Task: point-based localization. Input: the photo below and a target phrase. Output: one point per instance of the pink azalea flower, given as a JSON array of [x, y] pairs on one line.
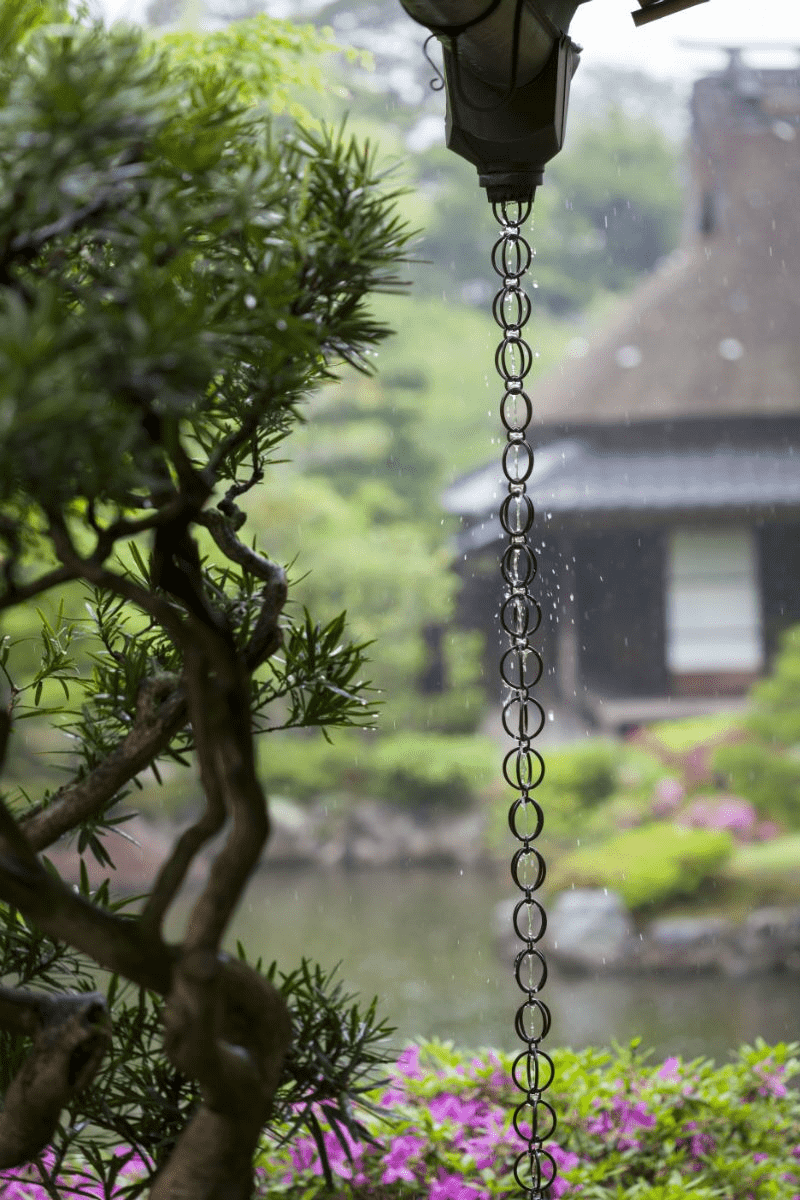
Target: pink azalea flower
[[669, 1068], [341, 1163], [773, 1084], [702, 1144], [447, 1107], [566, 1160], [482, 1151], [303, 1154], [633, 1116], [450, 1187], [601, 1125], [408, 1064], [402, 1151]]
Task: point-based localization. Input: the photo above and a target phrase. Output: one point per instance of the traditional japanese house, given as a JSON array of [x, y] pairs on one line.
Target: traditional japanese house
[[667, 479]]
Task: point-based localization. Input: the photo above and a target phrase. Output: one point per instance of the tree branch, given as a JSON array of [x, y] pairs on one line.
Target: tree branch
[[71, 1033], [18, 593], [173, 872], [228, 768], [235, 1050], [265, 637], [160, 713], [114, 942]]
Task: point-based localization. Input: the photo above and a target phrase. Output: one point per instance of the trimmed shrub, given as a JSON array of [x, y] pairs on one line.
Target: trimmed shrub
[[426, 770], [413, 770], [587, 772], [646, 865]]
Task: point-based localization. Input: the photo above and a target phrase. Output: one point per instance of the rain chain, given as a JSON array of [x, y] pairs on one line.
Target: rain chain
[[523, 715]]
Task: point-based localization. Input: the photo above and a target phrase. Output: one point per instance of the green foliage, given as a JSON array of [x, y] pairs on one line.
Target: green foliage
[[609, 209], [766, 768], [587, 771], [423, 771], [646, 865], [416, 770], [156, 312], [360, 551], [765, 776], [691, 732], [765, 872], [275, 62], [775, 714]]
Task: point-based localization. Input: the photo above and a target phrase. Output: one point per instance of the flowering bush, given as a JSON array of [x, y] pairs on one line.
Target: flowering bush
[[732, 813], [668, 795], [440, 1129]]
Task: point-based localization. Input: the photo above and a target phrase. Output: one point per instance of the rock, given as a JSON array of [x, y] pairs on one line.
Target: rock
[[686, 944], [590, 931], [589, 928], [294, 836], [769, 940]]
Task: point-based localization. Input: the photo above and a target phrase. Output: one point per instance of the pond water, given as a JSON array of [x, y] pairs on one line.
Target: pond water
[[422, 940]]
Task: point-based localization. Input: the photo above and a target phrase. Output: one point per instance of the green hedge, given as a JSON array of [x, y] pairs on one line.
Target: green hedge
[[414, 770], [587, 772], [647, 865]]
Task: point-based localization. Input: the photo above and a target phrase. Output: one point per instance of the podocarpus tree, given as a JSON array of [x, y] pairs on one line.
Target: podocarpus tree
[[174, 277]]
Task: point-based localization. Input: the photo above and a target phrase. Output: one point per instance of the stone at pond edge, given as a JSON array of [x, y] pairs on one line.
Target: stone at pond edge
[[590, 931], [372, 834], [589, 928]]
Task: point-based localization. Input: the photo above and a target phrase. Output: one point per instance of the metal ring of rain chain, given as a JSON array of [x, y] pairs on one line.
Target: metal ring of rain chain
[[523, 716]]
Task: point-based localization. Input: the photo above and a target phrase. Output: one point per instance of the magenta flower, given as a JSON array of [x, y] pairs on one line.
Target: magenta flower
[[408, 1064], [447, 1107], [633, 1116], [669, 1068], [451, 1187], [701, 1144], [482, 1150], [668, 795], [566, 1160], [342, 1163], [403, 1149], [722, 812], [303, 1154], [772, 1084], [601, 1125]]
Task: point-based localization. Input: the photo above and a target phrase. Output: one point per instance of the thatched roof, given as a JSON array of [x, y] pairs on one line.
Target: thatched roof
[[716, 332]]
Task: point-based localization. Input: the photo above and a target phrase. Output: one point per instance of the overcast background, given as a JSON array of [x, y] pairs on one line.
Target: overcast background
[[605, 29]]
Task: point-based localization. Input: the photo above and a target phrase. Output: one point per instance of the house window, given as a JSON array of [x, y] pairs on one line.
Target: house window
[[713, 609]]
